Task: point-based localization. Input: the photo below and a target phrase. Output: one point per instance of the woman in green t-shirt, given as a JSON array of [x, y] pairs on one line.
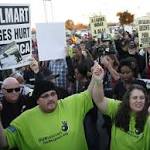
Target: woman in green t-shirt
[[131, 122]]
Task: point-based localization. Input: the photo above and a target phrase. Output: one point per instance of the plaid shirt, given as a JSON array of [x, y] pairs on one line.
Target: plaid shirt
[[59, 66]]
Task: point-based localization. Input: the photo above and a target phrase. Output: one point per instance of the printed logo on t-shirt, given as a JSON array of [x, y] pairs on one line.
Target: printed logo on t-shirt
[[135, 133], [64, 126], [57, 136], [11, 129]]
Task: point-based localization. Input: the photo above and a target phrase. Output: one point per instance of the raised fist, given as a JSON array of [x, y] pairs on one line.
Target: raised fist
[[34, 65], [98, 72]]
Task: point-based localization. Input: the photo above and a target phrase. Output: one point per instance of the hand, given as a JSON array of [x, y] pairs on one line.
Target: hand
[[105, 61], [98, 73], [34, 66]]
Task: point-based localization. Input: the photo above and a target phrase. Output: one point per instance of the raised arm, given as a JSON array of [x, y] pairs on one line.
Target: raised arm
[[115, 75], [38, 74], [34, 65], [92, 82], [98, 91]]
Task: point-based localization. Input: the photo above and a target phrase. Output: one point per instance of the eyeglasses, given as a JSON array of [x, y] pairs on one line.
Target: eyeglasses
[[48, 95], [11, 90]]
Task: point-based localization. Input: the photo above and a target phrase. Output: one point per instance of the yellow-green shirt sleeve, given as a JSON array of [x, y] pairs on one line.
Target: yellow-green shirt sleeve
[[112, 107]]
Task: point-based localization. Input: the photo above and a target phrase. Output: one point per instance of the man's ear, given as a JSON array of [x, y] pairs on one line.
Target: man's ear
[[1, 107], [37, 102], [3, 91]]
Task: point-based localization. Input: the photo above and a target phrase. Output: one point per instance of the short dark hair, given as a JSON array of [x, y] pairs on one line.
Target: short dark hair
[[41, 87], [130, 62]]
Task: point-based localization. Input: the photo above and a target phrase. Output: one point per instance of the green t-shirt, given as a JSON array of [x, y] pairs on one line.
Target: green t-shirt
[[131, 140], [61, 129], [70, 51]]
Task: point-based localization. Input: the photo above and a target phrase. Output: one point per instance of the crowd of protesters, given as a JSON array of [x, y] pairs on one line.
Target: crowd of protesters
[[124, 67]]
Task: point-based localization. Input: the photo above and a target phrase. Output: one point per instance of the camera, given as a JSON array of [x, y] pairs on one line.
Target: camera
[[105, 49], [106, 45]]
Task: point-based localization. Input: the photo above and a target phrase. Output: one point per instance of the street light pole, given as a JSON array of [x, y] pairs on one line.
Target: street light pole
[[45, 10], [52, 12]]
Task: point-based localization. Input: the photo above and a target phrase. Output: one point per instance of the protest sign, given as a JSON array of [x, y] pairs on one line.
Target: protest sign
[[51, 40], [15, 36], [147, 81], [98, 25], [144, 31], [128, 28]]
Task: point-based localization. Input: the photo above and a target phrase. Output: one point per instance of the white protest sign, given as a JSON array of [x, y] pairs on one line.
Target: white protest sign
[[98, 25], [144, 31], [15, 36], [128, 28], [51, 41], [147, 81]]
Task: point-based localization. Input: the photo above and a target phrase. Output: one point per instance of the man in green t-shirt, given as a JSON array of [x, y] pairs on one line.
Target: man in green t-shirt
[[131, 121], [53, 124]]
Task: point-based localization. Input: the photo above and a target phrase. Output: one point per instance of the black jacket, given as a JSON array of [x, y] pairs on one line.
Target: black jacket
[[11, 110]]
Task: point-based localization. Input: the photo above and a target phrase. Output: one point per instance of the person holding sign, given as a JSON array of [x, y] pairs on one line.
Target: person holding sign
[[131, 122]]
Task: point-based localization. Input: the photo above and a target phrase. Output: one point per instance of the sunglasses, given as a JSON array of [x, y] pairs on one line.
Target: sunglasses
[[11, 90], [48, 95]]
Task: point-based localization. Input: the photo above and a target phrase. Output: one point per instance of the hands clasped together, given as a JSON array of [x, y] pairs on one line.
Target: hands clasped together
[[97, 73]]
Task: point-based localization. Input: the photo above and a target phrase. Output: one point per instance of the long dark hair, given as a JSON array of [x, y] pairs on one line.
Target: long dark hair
[[122, 118]]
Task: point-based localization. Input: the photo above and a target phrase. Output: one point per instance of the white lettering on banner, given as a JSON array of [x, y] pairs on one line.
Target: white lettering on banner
[[14, 15], [15, 35], [20, 33], [5, 34], [24, 47]]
